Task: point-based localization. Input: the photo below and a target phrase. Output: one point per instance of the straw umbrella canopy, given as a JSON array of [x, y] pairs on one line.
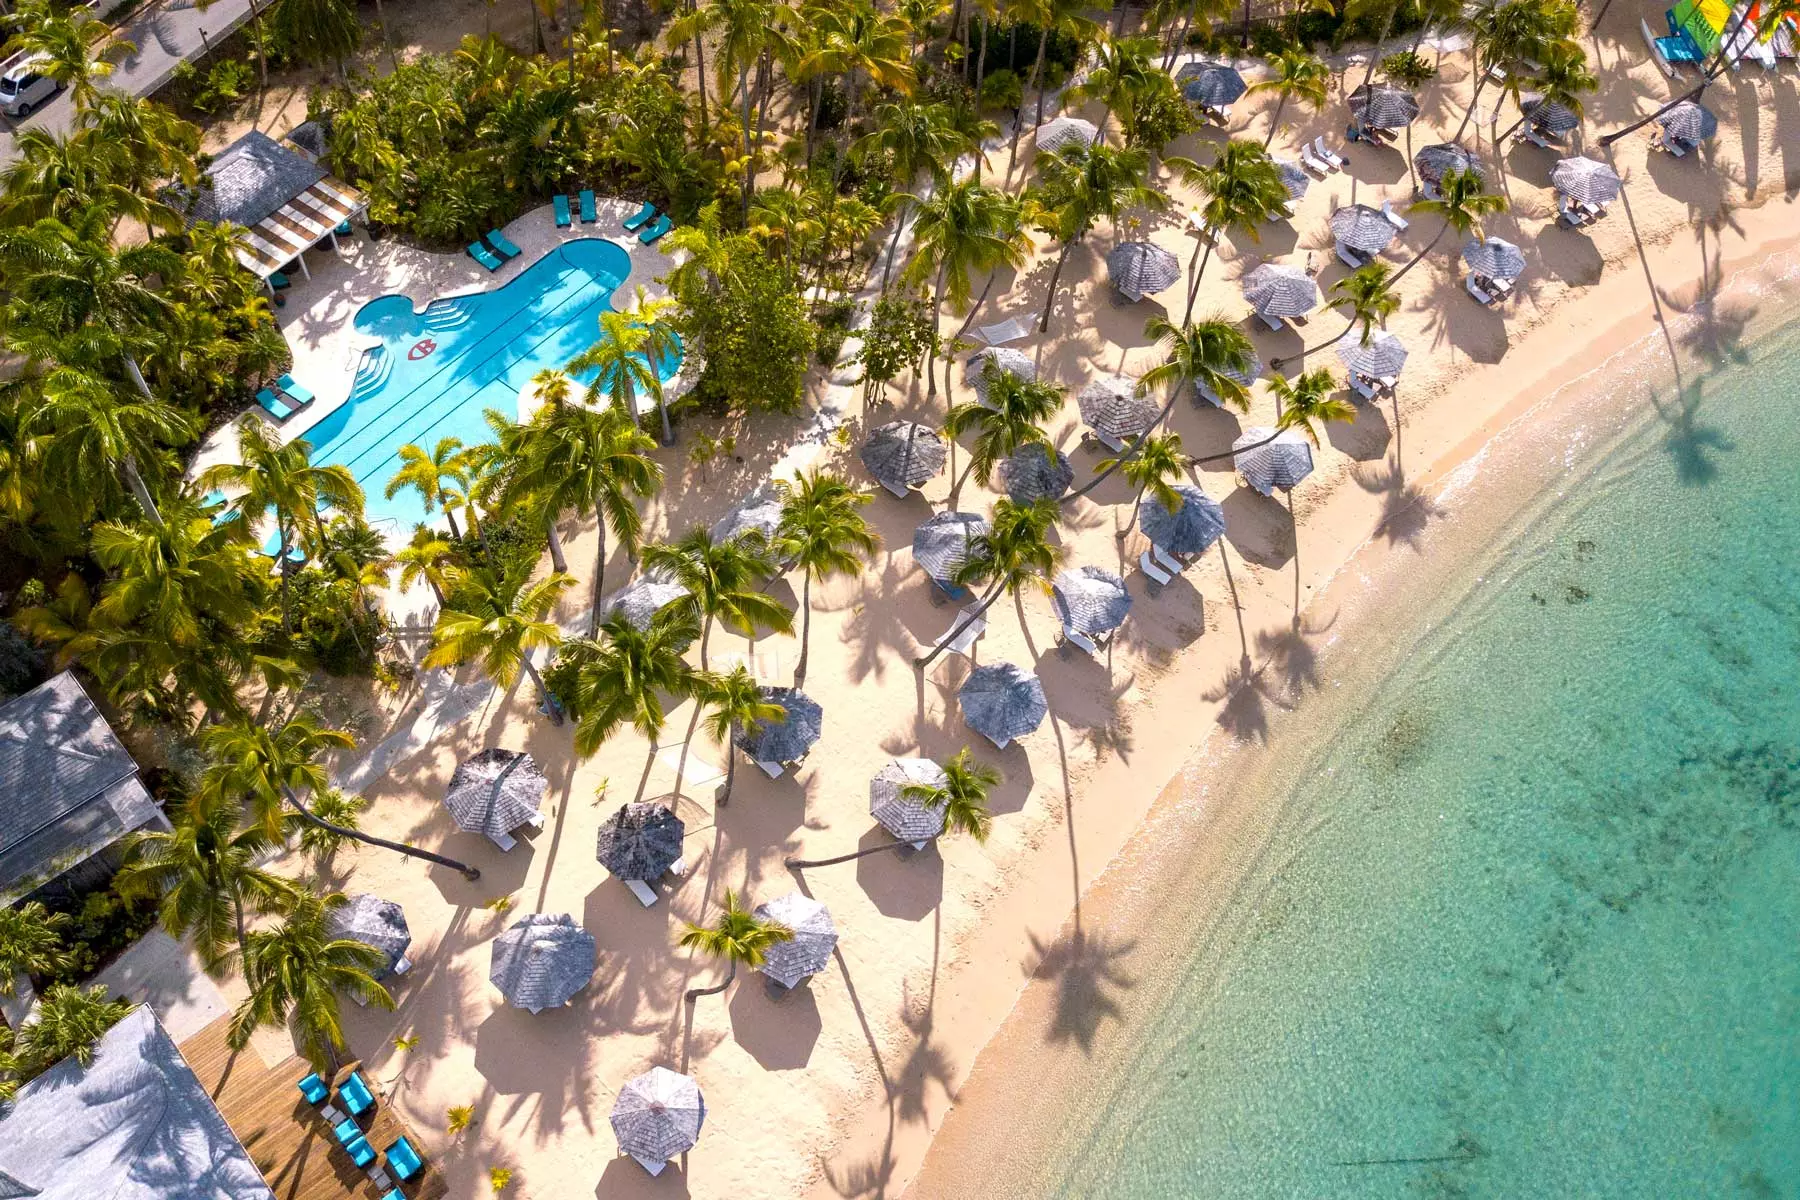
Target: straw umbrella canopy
[[1247, 376], [1267, 465], [941, 544], [1383, 107], [1548, 115], [1211, 84], [1113, 409], [542, 961], [1036, 473], [658, 1115], [906, 818], [1293, 177], [815, 937], [640, 600], [1494, 258], [902, 454], [1382, 357], [1585, 181], [1090, 600], [1003, 361], [1139, 269], [1689, 122], [788, 739], [495, 791], [640, 841], [1002, 702], [1279, 291], [369, 919], [1363, 229], [1439, 159], [1066, 131], [757, 513], [1190, 529]]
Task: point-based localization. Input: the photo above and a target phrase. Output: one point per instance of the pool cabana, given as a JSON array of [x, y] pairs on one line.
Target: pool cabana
[[286, 203]]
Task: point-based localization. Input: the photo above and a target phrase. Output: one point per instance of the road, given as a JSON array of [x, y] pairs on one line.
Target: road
[[166, 32]]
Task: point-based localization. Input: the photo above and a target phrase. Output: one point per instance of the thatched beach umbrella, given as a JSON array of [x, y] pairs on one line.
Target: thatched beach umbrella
[[542, 961], [1267, 465], [1279, 291], [374, 922], [1548, 115], [1002, 702], [1113, 409], [1362, 228], [1193, 527], [985, 364], [495, 791], [815, 937], [1064, 132], [1382, 358], [1140, 269], [657, 1117], [640, 841], [1688, 123], [1247, 376], [1036, 472], [1585, 181], [788, 739], [1092, 601], [1494, 258], [900, 815], [640, 600], [1438, 160], [902, 455], [1293, 177], [941, 544], [1213, 85], [759, 513], [1380, 106]]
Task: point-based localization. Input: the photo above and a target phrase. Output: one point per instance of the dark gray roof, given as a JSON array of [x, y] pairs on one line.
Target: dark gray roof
[[941, 543], [1139, 269], [1689, 122], [1281, 463], [815, 937], [1433, 162], [1113, 409], [1362, 228], [1190, 529], [1293, 177], [252, 178], [309, 138], [1495, 258], [1212, 84], [1036, 472], [542, 961], [640, 600], [903, 816], [1585, 180], [1383, 356], [658, 1115], [904, 454], [134, 1124], [1279, 291], [1002, 702], [374, 922], [999, 360], [1383, 107], [1090, 600], [757, 513], [1066, 131], [1547, 114], [68, 788], [640, 841], [788, 739], [495, 791]]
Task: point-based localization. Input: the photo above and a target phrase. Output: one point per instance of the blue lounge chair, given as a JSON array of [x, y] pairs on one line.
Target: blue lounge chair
[[361, 1153], [312, 1087], [561, 203], [278, 281], [484, 256], [659, 227], [396, 1194], [347, 1131], [294, 391], [355, 1094], [403, 1160], [588, 215], [498, 241], [641, 218], [275, 406]]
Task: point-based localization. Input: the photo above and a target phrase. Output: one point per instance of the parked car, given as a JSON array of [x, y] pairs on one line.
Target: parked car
[[24, 88]]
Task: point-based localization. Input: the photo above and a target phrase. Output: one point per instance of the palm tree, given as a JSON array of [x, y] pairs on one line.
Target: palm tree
[[70, 1021], [30, 943], [823, 533], [721, 579], [737, 937], [1311, 398], [910, 137], [1296, 74], [744, 31], [1158, 460], [1012, 417], [297, 971], [1561, 78], [963, 229], [205, 875], [318, 31], [507, 619], [83, 420], [623, 677], [1067, 17], [428, 557], [429, 475], [183, 580], [1078, 186], [1505, 32], [628, 358], [854, 40], [1014, 552], [1463, 199], [78, 48], [1366, 296], [962, 797], [733, 702], [266, 767], [342, 817], [1243, 190], [1121, 76]]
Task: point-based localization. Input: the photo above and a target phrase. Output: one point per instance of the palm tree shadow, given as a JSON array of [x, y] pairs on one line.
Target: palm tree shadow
[[1291, 652], [1243, 713], [1405, 507], [1086, 968], [1692, 445]]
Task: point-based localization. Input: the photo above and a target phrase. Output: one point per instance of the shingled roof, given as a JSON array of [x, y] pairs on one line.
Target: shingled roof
[[251, 179]]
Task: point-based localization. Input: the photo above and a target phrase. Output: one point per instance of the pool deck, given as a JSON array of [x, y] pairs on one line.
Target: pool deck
[[318, 319]]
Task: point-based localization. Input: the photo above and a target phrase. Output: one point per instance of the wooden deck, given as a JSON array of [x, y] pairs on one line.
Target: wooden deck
[[287, 1139]]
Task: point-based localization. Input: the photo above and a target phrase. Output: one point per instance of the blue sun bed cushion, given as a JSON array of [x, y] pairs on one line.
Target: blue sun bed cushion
[[640, 218], [355, 1094], [588, 215], [661, 226], [361, 1153], [561, 203], [499, 241], [403, 1160], [312, 1087], [484, 256], [347, 1131], [274, 405], [294, 391]]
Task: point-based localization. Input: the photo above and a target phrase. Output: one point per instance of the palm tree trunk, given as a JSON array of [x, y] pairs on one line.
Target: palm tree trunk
[[700, 78], [387, 42], [1055, 274], [281, 564], [887, 272], [599, 573], [744, 134], [731, 757], [1480, 82], [730, 974], [1246, 23], [305, 814], [937, 314], [556, 551], [1037, 71], [805, 627], [798, 864], [1195, 276], [237, 915], [1278, 363], [1387, 27], [262, 43], [962, 478], [454, 531], [139, 490], [968, 619], [1180, 42], [550, 706], [662, 410], [1275, 121], [705, 635]]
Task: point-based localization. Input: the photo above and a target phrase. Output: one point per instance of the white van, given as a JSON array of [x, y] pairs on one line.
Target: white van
[[23, 86]]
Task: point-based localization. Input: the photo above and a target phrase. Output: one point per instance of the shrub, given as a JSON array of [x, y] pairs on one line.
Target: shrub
[[21, 663], [1407, 69], [1002, 89], [103, 924]]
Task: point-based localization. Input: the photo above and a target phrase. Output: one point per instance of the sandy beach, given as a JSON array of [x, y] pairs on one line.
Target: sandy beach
[[839, 1088]]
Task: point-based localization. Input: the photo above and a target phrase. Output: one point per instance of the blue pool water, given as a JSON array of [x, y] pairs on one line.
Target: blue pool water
[[436, 372]]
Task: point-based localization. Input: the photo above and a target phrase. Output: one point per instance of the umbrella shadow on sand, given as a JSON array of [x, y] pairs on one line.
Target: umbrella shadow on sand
[[778, 1031], [904, 884], [624, 1179]]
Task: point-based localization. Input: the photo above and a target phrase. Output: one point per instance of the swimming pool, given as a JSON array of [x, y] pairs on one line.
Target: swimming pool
[[435, 372]]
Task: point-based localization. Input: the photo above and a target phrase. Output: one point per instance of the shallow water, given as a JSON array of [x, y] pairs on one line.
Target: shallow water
[[1535, 925]]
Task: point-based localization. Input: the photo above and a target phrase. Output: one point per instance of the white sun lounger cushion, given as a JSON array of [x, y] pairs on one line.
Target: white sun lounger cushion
[[644, 892], [1149, 567]]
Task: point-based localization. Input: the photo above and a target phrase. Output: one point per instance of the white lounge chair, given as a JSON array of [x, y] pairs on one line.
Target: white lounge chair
[[771, 769], [1312, 162], [1350, 258], [1527, 133], [1165, 560], [1362, 387], [1149, 567], [1326, 154], [1274, 323], [1082, 640], [653, 1165], [1476, 290], [1393, 218], [678, 868], [966, 631], [644, 892], [503, 840], [402, 965]]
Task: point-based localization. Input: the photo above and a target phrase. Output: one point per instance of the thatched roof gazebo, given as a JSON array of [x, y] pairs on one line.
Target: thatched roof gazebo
[[903, 455], [1494, 258], [990, 361], [1380, 106], [902, 816], [657, 1117], [1191, 529], [1140, 269], [640, 841], [778, 744], [1381, 359], [1585, 180], [1277, 291], [542, 961], [375, 922], [941, 546], [1362, 229], [1036, 472], [809, 951], [1112, 408], [640, 600], [1063, 132], [1003, 702], [1210, 84], [1091, 601], [495, 792], [1268, 460]]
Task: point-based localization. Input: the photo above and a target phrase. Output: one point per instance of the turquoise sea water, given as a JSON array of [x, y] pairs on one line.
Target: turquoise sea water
[[1537, 913]]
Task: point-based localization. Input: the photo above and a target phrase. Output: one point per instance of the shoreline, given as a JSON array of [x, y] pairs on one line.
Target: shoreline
[[1003, 1043]]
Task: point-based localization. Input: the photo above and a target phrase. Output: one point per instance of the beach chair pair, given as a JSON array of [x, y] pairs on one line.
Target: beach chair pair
[[656, 229], [1488, 291], [350, 1137], [1354, 259], [1333, 160], [503, 251], [1393, 218], [963, 633], [284, 399], [1071, 637], [646, 895], [1159, 564]]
